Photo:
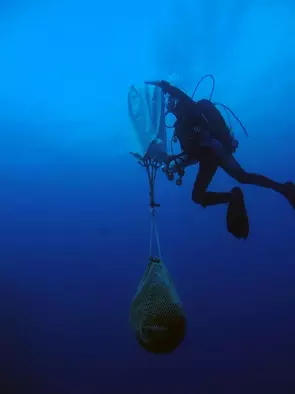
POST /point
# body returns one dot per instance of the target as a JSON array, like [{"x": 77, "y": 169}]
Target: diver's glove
[
  {"x": 170, "y": 159},
  {"x": 174, "y": 169},
  {"x": 164, "y": 85}
]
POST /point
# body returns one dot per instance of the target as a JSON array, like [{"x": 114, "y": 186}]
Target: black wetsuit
[
  {"x": 198, "y": 123},
  {"x": 205, "y": 137}
]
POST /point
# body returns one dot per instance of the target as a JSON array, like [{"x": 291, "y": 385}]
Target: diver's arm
[{"x": 173, "y": 91}]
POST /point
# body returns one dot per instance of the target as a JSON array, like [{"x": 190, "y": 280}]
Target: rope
[
  {"x": 157, "y": 239},
  {"x": 151, "y": 236},
  {"x": 151, "y": 167},
  {"x": 154, "y": 233}
]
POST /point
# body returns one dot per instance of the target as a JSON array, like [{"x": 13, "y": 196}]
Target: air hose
[{"x": 219, "y": 104}]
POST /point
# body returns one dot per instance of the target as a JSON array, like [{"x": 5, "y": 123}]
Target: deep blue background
[{"x": 74, "y": 226}]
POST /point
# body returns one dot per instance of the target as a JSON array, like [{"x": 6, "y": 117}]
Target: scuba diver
[{"x": 205, "y": 138}]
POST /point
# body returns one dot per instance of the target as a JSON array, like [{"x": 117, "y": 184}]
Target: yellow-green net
[{"x": 156, "y": 312}]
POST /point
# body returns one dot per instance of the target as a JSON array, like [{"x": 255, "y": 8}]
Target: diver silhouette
[{"x": 205, "y": 138}]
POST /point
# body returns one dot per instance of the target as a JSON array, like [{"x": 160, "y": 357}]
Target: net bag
[
  {"x": 146, "y": 108},
  {"x": 156, "y": 312}
]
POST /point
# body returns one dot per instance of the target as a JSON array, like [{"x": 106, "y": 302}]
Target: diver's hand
[
  {"x": 235, "y": 145},
  {"x": 160, "y": 84},
  {"x": 169, "y": 159}
]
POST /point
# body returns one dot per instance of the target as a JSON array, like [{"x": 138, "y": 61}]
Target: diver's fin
[
  {"x": 237, "y": 217},
  {"x": 290, "y": 193}
]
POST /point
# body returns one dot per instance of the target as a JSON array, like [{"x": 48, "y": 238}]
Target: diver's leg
[
  {"x": 237, "y": 218},
  {"x": 208, "y": 168},
  {"x": 233, "y": 169}
]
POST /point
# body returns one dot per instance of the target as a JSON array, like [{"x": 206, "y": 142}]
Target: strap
[
  {"x": 151, "y": 167},
  {"x": 154, "y": 236}
]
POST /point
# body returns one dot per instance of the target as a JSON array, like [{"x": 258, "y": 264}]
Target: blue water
[{"x": 74, "y": 228}]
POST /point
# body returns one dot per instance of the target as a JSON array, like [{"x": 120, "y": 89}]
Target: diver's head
[{"x": 171, "y": 103}]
